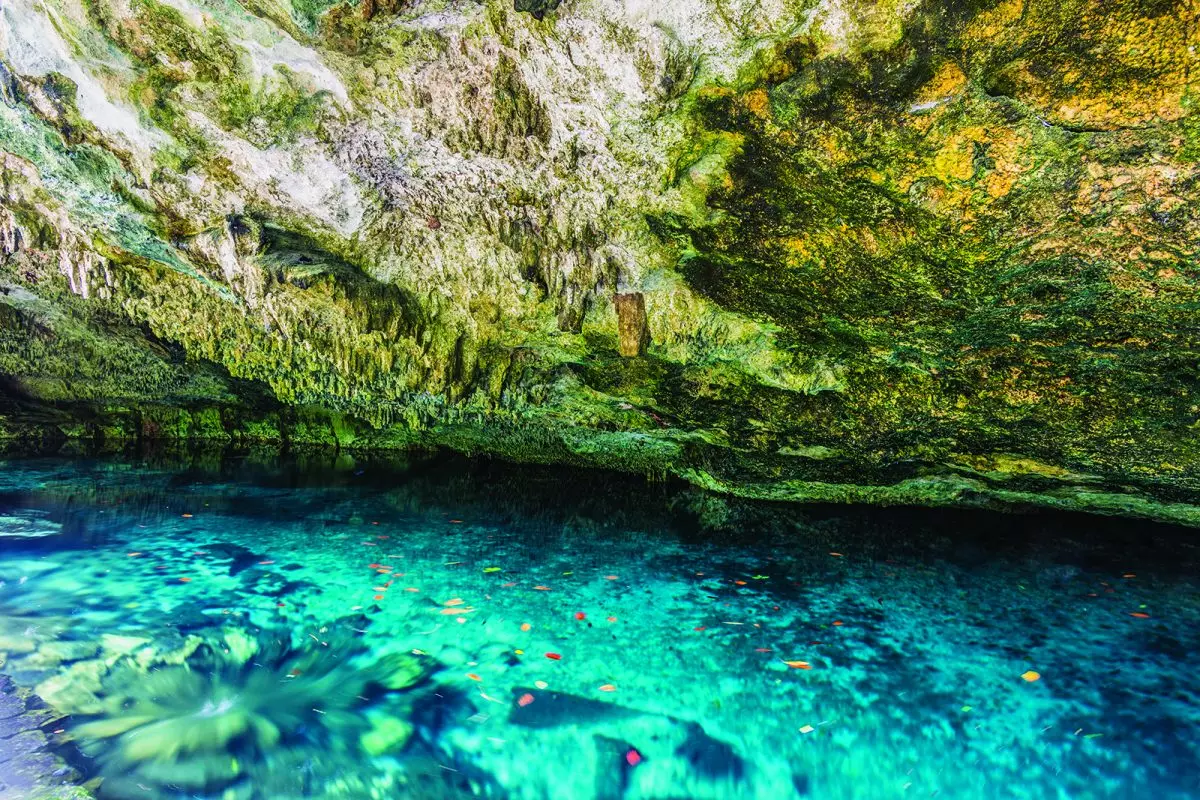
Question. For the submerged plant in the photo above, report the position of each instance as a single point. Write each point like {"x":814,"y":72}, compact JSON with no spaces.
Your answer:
{"x":208,"y":725}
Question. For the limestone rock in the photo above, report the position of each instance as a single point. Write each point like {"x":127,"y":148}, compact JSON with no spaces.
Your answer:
{"x":935,"y":242}
{"x":632,"y":329}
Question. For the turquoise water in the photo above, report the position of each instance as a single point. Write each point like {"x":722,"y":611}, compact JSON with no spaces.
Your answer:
{"x":342,"y":629}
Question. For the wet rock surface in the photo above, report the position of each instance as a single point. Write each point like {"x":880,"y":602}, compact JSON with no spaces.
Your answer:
{"x":29,"y":769}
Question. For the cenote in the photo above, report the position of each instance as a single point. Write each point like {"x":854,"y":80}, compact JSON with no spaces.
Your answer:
{"x":232,"y":626}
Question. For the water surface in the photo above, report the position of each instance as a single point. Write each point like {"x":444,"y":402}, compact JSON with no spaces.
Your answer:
{"x":340,"y":629}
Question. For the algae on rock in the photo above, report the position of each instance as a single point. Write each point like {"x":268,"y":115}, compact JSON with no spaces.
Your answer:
{"x":934,"y":242}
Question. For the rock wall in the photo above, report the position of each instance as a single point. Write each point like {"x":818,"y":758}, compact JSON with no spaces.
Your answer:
{"x":934,"y":252}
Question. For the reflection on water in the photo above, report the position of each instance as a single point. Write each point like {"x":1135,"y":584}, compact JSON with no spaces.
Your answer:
{"x":342,"y":629}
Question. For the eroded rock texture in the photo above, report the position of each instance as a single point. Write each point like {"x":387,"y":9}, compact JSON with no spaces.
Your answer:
{"x":936,"y":252}
{"x":29,"y":767}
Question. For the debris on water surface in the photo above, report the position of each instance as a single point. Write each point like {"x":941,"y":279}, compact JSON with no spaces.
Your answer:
{"x":722,"y":681}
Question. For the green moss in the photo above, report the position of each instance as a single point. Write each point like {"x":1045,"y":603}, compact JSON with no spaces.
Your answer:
{"x":921,"y":255}
{"x":169,"y":48}
{"x":272,"y":112}
{"x":80,"y":179}
{"x":307,"y":13}
{"x":518,"y":111}
{"x":935,"y":257}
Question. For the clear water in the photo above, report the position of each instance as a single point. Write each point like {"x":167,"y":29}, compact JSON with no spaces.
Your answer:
{"x":454,"y":629}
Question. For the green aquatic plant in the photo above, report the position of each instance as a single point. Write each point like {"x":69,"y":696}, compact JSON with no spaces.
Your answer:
{"x":209,"y":726}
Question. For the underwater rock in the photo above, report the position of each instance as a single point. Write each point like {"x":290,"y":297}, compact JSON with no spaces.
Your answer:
{"x":426,"y":778}
{"x":159,"y":656}
{"x":52,"y":654}
{"x":1058,"y":576}
{"x":241,"y":646}
{"x":22,"y":743}
{"x":396,"y":671}
{"x":29,"y":770}
{"x":74,"y":691}
{"x":10,"y":704}
{"x":115,"y":646}
{"x":387,"y":735}
{"x":16,"y":644}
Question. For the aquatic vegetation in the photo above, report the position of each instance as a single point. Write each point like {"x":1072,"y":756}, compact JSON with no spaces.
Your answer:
{"x":214,"y":720}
